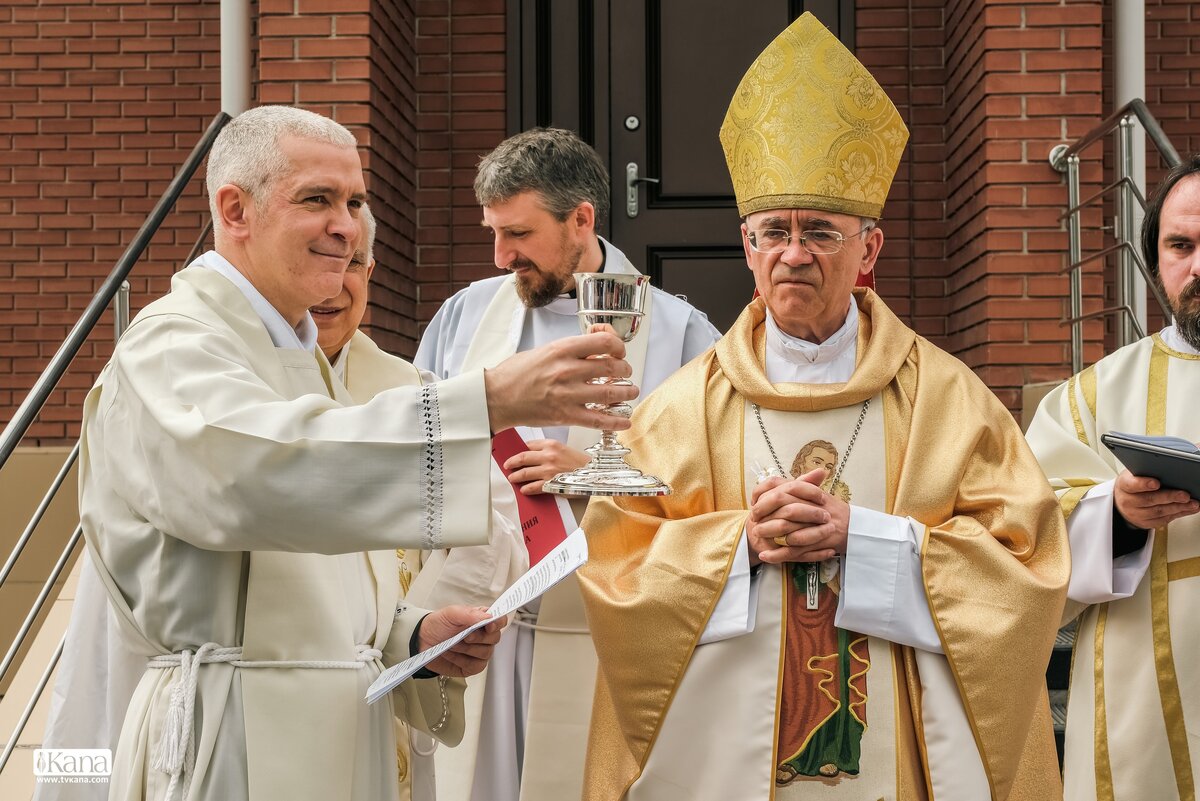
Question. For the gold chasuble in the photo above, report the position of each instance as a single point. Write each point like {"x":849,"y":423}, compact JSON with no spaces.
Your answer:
{"x":1134,"y":709}
{"x":797,"y":708}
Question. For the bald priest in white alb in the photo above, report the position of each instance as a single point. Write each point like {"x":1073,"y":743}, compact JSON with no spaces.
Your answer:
{"x":242,"y":513}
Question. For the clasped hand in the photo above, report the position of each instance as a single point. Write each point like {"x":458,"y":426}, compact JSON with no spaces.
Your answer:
{"x":813,"y":524}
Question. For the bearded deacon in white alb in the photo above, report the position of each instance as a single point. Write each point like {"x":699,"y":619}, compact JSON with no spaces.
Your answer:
{"x":545,"y":197}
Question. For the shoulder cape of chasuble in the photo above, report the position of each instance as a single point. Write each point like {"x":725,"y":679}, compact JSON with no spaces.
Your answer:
{"x":809,"y":127}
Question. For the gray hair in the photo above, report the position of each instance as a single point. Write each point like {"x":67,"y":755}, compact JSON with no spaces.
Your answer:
{"x":247,"y":153}
{"x":558,"y":165}
{"x":369,"y":225}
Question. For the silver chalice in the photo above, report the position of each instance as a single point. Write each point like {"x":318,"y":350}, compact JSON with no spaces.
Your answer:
{"x":618,"y":301}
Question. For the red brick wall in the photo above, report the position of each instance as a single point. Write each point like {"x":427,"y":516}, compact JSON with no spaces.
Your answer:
{"x":103,"y":101}
{"x":1172,"y":91}
{"x":422,"y":86}
{"x":1038,"y":84}
{"x":391,"y":164}
{"x":903,"y":49}
{"x":460,"y":117}
{"x":987,"y":90}
{"x":330,"y":56}
{"x":101,"y":104}
{"x":1172,"y":76}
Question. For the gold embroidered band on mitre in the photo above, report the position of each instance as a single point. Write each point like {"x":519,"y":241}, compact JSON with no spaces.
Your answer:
{"x":809,"y":127}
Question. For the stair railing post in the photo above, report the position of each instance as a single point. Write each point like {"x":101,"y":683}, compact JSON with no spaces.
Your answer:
{"x":1125,"y":291}
{"x":121,"y":311}
{"x":1075,"y":256}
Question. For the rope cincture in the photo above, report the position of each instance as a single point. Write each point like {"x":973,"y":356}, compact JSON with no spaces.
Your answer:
{"x":523,"y":618}
{"x":175,"y":754}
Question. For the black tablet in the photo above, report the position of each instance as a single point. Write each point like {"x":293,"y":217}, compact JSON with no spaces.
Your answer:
{"x":1165,"y":458}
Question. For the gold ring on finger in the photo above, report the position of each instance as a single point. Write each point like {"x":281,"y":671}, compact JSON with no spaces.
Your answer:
{"x":781,"y":541}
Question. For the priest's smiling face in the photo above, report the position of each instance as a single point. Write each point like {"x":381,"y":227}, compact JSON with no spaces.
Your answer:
{"x":541,"y":250}
{"x":297,"y":241}
{"x":1179,"y":256}
{"x":809,"y":294}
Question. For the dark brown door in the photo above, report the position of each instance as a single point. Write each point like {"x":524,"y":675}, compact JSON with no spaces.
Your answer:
{"x":648,"y":86}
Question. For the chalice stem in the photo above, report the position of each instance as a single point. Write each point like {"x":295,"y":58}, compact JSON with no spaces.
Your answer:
{"x":608,"y":441}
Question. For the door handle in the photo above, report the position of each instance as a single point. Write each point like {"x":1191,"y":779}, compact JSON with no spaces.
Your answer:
{"x":631,"y":188}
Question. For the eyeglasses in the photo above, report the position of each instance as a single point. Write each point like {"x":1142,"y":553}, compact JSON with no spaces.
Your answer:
{"x":817,"y":242}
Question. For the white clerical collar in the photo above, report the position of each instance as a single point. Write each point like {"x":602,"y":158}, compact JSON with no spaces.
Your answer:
{"x":302,"y":337}
{"x":566,"y":304}
{"x":1172,"y":339}
{"x":801,"y":351}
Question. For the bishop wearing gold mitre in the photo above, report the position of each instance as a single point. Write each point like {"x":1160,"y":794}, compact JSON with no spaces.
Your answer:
{"x":853,"y":591}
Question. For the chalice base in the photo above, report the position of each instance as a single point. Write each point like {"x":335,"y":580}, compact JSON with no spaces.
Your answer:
{"x":607,"y":474}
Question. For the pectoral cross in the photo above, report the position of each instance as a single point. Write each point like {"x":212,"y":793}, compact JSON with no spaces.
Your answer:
{"x":812,"y":583}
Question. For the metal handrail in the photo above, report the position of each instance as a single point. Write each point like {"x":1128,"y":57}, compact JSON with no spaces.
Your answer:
{"x":40,"y":512}
{"x":1124,"y":309}
{"x":55,"y":572}
{"x":120,"y":323}
{"x":115,"y":290}
{"x":1163,"y":304}
{"x":19,"y":729}
{"x":1126,"y":182}
{"x":196,"y":248}
{"x":36,"y":399}
{"x":1136,"y":107}
{"x":121,"y":311}
{"x":1065,"y":158}
{"x":1097,"y":256}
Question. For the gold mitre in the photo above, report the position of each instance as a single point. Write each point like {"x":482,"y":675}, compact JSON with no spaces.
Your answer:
{"x":808,"y":127}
